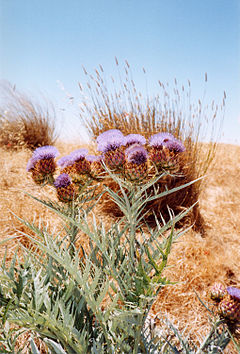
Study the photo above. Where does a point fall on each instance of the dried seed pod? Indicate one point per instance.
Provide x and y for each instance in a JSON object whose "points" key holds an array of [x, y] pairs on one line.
{"points": [[217, 291]]}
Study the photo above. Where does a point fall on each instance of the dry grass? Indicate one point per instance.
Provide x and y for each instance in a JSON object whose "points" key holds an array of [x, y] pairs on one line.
{"points": [[15, 182], [118, 104], [23, 122], [197, 262]]}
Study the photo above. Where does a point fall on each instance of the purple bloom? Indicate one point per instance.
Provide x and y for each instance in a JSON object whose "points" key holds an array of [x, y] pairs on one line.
{"points": [[31, 163], [94, 158], [78, 154], [108, 134], [63, 180], [42, 153], [136, 154], [134, 139], [175, 145], [168, 140], [70, 159], [65, 161], [234, 292], [160, 139], [45, 152], [110, 143]]}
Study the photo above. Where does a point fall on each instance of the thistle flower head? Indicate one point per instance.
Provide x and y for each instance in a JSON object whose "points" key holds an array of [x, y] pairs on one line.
{"points": [[108, 133], [63, 180], [110, 143], [217, 291], [234, 292], [134, 139], [175, 145], [167, 140], [45, 152], [65, 161], [160, 139], [42, 153], [94, 158], [78, 155], [96, 166], [31, 163], [136, 154]]}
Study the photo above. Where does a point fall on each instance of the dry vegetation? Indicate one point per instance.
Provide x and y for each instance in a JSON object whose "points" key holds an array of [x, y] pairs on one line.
{"points": [[196, 261], [117, 104], [24, 122]]}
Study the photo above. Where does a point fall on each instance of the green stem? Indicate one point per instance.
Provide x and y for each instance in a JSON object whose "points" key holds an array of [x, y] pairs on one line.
{"points": [[72, 238], [132, 223], [138, 335]]}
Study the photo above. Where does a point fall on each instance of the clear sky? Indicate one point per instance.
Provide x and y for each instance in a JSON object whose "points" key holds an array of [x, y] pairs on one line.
{"points": [[47, 41]]}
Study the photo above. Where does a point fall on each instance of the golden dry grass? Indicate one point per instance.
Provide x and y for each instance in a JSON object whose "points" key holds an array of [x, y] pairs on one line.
{"points": [[24, 122], [196, 261]]}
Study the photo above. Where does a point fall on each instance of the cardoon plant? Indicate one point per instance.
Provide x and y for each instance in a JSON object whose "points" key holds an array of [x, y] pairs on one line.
{"points": [[79, 299], [111, 143], [96, 166], [134, 139], [64, 162], [164, 149], [82, 165], [76, 165], [90, 289], [136, 167], [108, 134], [42, 164], [64, 187]]}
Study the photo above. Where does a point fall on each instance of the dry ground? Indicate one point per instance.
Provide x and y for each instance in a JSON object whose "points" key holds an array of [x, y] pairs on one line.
{"points": [[196, 261]]}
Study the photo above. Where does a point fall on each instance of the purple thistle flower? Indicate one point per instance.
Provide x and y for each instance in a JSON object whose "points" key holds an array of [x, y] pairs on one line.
{"points": [[114, 158], [42, 153], [175, 145], [134, 139], [108, 133], [234, 292], [168, 140], [65, 161], [94, 158], [45, 152], [31, 163], [70, 159], [63, 180], [78, 154], [160, 139], [136, 154], [110, 143]]}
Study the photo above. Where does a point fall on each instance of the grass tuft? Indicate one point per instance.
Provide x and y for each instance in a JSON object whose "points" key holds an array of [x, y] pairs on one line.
{"points": [[25, 123], [119, 104]]}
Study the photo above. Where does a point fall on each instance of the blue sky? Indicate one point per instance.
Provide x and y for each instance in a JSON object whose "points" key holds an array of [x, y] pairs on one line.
{"points": [[47, 41]]}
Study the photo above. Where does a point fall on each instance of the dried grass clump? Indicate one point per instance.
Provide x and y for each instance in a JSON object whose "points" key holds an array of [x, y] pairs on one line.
{"points": [[23, 122], [120, 105]]}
